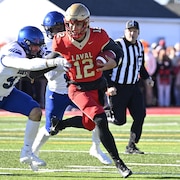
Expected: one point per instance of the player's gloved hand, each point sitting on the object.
(150, 82)
(59, 61)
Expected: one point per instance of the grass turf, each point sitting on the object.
(68, 158)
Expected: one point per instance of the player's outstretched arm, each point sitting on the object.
(32, 64)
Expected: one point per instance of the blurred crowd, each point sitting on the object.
(163, 64)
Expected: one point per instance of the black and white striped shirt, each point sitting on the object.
(132, 65)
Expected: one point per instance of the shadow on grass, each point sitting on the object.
(134, 176)
(156, 176)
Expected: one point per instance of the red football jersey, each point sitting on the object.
(81, 55)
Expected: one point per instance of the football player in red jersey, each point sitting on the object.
(80, 45)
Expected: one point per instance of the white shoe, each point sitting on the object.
(123, 169)
(36, 153)
(96, 152)
(29, 158)
(34, 167)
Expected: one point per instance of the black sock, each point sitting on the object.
(106, 136)
(75, 121)
(132, 139)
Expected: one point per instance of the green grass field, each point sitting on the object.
(68, 158)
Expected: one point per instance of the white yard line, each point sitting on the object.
(72, 151)
(94, 169)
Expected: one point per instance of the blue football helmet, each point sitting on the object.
(53, 23)
(30, 35)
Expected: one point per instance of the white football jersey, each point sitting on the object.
(55, 77)
(10, 76)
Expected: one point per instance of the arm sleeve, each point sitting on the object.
(112, 45)
(26, 64)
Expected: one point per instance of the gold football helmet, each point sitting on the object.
(77, 13)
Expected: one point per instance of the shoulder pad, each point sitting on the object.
(97, 29)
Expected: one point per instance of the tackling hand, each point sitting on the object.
(59, 61)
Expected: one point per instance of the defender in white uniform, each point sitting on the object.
(16, 59)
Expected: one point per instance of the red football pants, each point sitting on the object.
(88, 103)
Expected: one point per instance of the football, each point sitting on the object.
(102, 57)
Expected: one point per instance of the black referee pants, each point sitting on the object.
(129, 97)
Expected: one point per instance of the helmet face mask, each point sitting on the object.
(77, 29)
(28, 37)
(53, 23)
(75, 15)
(52, 30)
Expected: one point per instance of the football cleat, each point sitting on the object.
(96, 152)
(133, 150)
(54, 126)
(122, 168)
(34, 167)
(111, 118)
(110, 115)
(28, 157)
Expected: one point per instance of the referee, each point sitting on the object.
(124, 91)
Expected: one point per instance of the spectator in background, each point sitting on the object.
(176, 88)
(154, 50)
(164, 78)
(150, 65)
(174, 54)
(162, 43)
(176, 73)
(177, 48)
(171, 53)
